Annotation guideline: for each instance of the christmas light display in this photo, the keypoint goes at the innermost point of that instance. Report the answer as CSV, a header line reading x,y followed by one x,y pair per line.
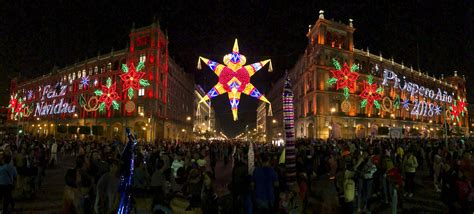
x,y
129,106
406,104
108,96
370,94
454,111
344,77
16,106
437,110
91,105
234,78
345,106
289,121
458,107
27,110
29,94
132,78
396,103
85,81
414,89
462,105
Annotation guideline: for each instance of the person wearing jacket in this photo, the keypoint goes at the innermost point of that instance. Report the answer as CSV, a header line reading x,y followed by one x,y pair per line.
x,y
410,164
366,169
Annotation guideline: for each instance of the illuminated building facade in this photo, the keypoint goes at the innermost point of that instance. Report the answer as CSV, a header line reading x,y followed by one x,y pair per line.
x,y
261,123
204,118
65,102
409,102
270,128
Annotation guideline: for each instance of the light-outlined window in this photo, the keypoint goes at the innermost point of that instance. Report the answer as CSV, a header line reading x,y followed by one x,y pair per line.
x,y
141,92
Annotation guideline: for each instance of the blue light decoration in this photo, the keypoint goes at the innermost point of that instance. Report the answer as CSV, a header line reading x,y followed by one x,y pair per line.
x,y
29,94
125,188
438,110
85,81
406,104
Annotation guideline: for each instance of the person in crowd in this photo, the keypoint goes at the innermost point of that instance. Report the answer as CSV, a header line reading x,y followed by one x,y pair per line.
x,y
107,189
364,174
410,164
264,180
54,153
71,195
8,176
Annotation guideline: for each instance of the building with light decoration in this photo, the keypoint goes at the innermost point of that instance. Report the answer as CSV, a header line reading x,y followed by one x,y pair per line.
x,y
371,96
205,117
270,128
94,98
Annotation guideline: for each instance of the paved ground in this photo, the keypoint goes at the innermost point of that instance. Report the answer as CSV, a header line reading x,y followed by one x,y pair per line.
x,y
49,200
425,200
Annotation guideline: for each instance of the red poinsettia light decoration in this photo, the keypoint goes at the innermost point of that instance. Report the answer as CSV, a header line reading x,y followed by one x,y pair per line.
x,y
132,78
371,94
108,96
344,77
454,108
16,106
462,105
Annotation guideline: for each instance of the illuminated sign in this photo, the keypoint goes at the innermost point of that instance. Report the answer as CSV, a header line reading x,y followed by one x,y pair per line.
x,y
420,106
56,106
415,89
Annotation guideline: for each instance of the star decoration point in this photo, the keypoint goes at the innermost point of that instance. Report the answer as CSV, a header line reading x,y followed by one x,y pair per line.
x,y
234,78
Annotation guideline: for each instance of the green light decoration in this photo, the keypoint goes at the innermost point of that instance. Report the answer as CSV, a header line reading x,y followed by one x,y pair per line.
x,y
132,78
371,94
396,103
344,77
336,64
82,101
108,96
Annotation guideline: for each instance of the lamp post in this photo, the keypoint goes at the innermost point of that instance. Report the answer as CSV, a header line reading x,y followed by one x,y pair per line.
x,y
247,132
273,128
331,125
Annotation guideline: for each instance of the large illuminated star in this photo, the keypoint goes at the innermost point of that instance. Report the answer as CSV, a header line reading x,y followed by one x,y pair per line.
x,y
234,78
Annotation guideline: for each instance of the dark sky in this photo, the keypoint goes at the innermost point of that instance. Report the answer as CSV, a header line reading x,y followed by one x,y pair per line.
x,y
37,35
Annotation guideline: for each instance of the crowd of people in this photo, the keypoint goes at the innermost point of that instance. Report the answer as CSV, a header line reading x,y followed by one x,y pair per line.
x,y
333,176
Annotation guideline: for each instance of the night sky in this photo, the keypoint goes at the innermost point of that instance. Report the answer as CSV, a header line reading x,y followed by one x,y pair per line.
x,y
35,36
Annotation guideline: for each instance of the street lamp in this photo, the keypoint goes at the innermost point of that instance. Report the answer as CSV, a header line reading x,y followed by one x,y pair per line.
x,y
332,111
188,118
274,121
